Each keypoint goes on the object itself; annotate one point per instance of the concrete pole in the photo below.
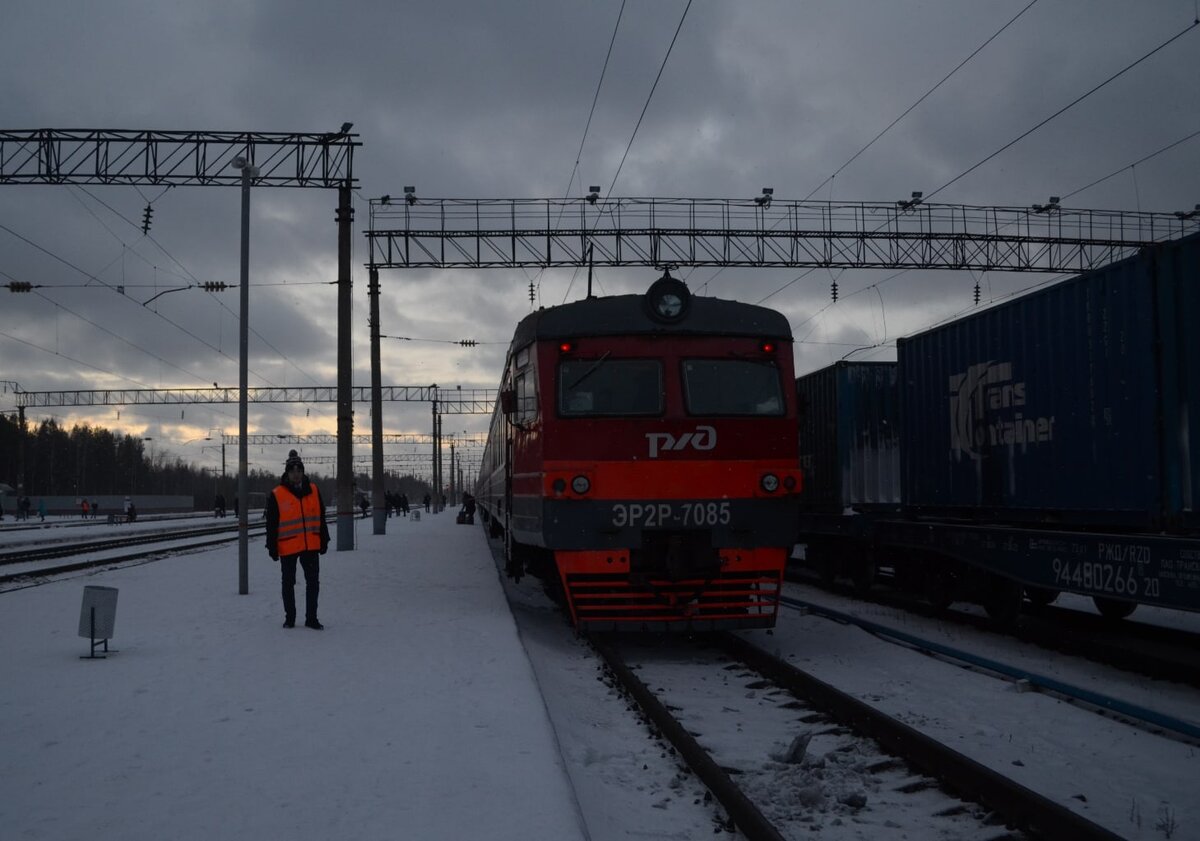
(345, 409)
(249, 172)
(378, 489)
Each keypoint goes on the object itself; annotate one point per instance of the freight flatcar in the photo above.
(1035, 447)
(642, 459)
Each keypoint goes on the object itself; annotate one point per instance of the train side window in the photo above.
(609, 387)
(526, 397)
(732, 387)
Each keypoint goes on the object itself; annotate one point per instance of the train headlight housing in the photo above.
(668, 299)
(581, 485)
(770, 483)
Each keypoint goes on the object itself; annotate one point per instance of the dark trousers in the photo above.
(310, 562)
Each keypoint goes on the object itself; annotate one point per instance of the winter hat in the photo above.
(293, 460)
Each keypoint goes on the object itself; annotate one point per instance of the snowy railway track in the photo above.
(1154, 651)
(727, 708)
(46, 560)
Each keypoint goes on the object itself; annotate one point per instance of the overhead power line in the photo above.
(924, 96)
(1066, 108)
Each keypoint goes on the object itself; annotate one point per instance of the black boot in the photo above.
(314, 624)
(289, 622)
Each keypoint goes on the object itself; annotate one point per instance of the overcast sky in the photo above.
(490, 100)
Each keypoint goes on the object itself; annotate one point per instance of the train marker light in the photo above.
(559, 486)
(770, 483)
(790, 483)
(566, 347)
(767, 347)
(581, 485)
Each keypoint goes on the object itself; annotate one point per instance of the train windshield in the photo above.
(590, 387)
(732, 387)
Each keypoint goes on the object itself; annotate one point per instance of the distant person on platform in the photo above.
(95, 509)
(42, 509)
(296, 531)
(83, 507)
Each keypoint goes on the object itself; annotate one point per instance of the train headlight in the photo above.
(581, 485)
(770, 483)
(668, 299)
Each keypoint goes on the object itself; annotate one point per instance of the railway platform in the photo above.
(414, 714)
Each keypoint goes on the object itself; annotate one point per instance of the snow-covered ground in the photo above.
(417, 713)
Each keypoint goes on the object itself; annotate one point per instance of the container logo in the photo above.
(704, 438)
(987, 409)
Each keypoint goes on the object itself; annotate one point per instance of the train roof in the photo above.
(631, 315)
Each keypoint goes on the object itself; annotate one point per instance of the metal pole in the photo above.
(249, 171)
(345, 411)
(452, 475)
(378, 491)
(441, 477)
(433, 450)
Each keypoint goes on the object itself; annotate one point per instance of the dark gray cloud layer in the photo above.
(470, 99)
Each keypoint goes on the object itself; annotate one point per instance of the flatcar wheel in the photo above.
(939, 588)
(1041, 596)
(865, 568)
(1113, 608)
(1003, 601)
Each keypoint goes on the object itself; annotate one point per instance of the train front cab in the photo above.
(660, 473)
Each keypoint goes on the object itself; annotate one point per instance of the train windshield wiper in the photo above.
(591, 370)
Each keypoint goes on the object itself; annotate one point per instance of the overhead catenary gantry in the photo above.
(761, 232)
(456, 401)
(215, 158)
(409, 231)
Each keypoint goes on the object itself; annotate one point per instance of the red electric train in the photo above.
(643, 459)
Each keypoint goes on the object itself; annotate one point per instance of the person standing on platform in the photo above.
(296, 531)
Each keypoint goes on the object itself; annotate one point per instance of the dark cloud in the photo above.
(470, 99)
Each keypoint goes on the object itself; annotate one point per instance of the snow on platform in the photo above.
(414, 714)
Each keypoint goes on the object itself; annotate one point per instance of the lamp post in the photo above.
(249, 172)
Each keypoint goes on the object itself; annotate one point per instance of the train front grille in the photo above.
(731, 599)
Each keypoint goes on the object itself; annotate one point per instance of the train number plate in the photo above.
(650, 515)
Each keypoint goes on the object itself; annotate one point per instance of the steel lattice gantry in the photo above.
(457, 401)
(214, 158)
(487, 233)
(178, 158)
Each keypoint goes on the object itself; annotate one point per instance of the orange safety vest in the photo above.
(299, 521)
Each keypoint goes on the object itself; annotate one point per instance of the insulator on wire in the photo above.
(20, 286)
(147, 216)
(214, 286)
(833, 290)
(531, 292)
(977, 293)
(468, 342)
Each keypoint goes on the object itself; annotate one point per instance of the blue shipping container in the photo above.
(1069, 404)
(849, 436)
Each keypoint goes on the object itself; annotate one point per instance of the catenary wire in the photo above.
(923, 97)
(1065, 108)
(642, 116)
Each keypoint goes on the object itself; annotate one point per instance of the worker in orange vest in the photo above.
(296, 531)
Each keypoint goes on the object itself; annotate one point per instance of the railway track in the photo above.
(895, 776)
(47, 559)
(1128, 644)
